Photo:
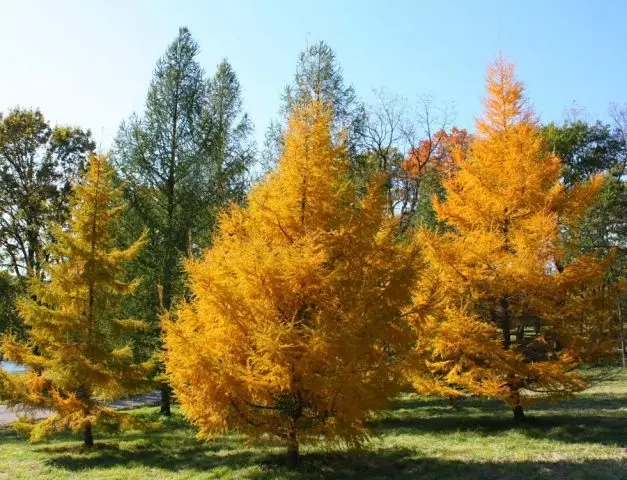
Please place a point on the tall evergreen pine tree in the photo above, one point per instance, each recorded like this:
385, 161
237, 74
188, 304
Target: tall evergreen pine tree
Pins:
184, 159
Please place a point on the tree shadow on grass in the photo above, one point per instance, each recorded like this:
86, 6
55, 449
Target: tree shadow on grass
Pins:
174, 448
189, 459
407, 464
9, 435
380, 464
585, 401
583, 419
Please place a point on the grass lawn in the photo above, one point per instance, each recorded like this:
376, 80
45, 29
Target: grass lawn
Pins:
582, 438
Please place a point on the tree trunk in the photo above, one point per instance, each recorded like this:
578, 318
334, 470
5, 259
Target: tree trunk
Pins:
170, 252
89, 437
165, 400
454, 402
622, 334
520, 334
292, 450
517, 409
537, 326
505, 323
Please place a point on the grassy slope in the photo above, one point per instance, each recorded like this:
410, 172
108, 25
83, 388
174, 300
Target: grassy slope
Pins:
582, 438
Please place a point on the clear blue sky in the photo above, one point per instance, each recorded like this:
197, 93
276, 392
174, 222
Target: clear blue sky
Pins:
89, 63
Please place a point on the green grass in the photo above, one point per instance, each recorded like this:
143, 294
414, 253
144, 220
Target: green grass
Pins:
581, 438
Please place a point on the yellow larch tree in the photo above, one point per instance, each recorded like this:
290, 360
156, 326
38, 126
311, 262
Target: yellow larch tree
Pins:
501, 313
79, 353
295, 328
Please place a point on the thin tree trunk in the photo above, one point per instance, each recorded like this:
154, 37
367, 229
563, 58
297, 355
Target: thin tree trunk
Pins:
519, 413
505, 323
454, 402
536, 325
517, 408
165, 400
90, 307
622, 333
520, 333
89, 437
292, 449
170, 253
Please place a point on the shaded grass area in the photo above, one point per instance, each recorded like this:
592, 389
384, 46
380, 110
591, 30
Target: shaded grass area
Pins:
581, 438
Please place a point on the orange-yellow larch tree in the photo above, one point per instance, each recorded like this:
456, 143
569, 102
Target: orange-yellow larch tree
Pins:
501, 313
294, 328
79, 351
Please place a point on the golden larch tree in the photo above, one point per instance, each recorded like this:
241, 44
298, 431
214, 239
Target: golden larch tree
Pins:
501, 312
294, 328
79, 352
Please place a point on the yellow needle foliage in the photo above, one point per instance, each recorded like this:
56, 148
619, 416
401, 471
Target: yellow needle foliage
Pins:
78, 350
294, 328
501, 313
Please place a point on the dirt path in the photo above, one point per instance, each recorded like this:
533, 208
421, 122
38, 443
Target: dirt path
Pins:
9, 415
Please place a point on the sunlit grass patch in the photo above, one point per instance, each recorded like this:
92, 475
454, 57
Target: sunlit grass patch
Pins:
581, 438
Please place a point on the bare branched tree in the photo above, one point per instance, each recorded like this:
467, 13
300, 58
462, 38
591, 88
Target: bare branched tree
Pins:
618, 114
396, 130
387, 128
